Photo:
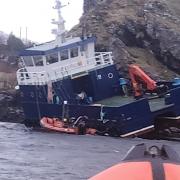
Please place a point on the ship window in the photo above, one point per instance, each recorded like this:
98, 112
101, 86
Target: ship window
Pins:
38, 60
52, 58
64, 55
28, 61
74, 52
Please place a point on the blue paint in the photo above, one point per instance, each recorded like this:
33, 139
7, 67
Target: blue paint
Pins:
98, 85
175, 100
126, 118
31, 53
105, 87
123, 81
176, 82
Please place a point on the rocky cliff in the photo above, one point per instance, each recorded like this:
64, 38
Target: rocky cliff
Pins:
10, 107
146, 32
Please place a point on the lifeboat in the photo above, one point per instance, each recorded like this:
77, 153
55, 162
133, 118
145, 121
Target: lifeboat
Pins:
143, 164
54, 124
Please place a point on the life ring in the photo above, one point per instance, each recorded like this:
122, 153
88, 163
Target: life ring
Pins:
110, 75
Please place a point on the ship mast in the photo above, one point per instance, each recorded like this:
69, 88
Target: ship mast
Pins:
60, 31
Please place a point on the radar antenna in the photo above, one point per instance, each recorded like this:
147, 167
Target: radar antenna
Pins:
60, 31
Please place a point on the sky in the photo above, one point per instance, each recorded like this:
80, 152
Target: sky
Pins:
36, 15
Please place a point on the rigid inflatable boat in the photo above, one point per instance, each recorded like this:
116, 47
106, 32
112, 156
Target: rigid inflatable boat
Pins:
54, 124
143, 164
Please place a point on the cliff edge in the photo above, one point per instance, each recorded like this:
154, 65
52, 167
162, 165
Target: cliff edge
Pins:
146, 32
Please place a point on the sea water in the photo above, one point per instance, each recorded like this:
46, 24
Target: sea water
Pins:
27, 154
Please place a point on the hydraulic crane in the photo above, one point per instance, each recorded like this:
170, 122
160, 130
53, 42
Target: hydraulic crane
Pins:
139, 77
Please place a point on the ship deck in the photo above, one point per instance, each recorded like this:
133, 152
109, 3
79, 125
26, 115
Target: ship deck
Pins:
116, 101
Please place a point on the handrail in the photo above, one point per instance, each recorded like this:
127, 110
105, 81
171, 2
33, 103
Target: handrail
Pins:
26, 78
99, 60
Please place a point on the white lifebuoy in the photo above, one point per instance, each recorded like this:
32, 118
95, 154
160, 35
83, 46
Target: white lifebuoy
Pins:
110, 75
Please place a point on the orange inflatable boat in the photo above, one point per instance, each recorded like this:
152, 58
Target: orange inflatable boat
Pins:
58, 125
143, 164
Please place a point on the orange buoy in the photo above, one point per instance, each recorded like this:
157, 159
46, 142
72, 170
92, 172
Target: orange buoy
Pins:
143, 164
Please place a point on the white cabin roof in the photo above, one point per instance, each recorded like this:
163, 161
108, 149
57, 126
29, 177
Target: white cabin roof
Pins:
53, 44
49, 47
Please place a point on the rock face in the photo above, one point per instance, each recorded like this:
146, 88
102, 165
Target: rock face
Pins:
10, 109
146, 32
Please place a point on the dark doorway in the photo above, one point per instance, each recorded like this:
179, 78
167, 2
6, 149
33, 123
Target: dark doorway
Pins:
83, 83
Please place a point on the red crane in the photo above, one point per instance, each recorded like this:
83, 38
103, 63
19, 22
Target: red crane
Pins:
137, 76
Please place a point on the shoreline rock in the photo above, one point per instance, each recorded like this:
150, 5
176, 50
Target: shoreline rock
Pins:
10, 108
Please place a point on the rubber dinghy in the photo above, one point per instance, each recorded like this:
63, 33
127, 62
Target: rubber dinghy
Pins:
55, 124
143, 164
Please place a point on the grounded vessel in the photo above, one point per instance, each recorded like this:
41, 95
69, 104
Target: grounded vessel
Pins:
67, 79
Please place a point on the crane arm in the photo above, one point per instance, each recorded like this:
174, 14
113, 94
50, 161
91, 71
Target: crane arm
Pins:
136, 71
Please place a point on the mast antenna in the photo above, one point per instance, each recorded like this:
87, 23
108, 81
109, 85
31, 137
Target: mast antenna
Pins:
60, 23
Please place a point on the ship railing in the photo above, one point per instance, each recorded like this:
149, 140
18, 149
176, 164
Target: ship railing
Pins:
31, 78
101, 59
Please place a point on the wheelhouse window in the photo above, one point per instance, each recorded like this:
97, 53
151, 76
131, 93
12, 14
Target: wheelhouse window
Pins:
38, 60
52, 58
74, 52
64, 55
28, 61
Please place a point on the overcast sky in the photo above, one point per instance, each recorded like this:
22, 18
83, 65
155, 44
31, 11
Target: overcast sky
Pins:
36, 15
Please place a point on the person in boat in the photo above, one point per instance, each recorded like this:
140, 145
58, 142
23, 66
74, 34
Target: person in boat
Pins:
83, 98
142, 163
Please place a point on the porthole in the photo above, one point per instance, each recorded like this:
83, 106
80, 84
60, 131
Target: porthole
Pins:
110, 75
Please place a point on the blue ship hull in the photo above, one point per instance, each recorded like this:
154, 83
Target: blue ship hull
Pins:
100, 84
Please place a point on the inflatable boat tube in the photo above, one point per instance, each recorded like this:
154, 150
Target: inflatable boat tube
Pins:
143, 164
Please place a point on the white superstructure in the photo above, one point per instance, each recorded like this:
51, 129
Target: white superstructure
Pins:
60, 58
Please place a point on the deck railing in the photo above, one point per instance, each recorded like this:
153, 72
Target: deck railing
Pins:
101, 59
31, 78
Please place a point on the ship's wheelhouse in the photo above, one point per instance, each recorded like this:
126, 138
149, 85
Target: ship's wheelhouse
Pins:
51, 62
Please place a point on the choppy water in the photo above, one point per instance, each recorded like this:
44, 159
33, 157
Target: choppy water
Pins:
32, 155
